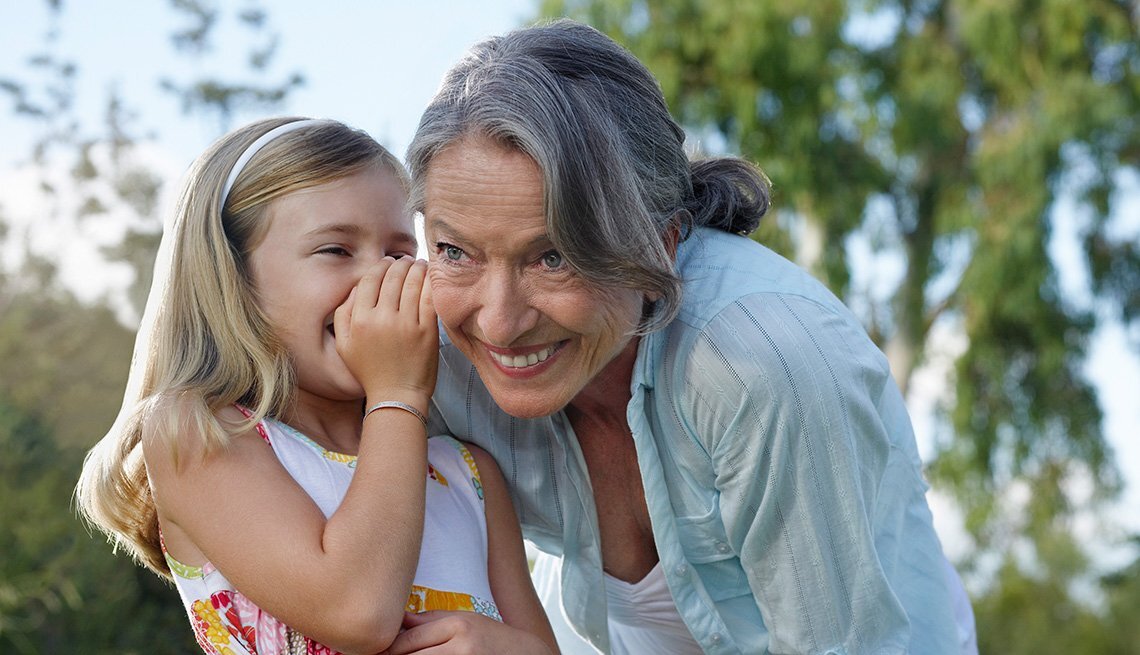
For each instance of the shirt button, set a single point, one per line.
(722, 547)
(714, 638)
(681, 570)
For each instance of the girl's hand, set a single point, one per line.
(386, 331)
(441, 633)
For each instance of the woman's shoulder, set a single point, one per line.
(775, 339)
(757, 326)
(720, 270)
(739, 295)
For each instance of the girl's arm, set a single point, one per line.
(525, 628)
(343, 581)
(507, 564)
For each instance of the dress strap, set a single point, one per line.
(260, 424)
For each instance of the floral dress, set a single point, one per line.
(451, 574)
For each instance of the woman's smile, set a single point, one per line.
(524, 360)
(505, 295)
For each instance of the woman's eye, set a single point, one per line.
(334, 250)
(552, 259)
(454, 253)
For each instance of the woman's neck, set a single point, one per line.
(608, 394)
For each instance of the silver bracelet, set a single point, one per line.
(395, 404)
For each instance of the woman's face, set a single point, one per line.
(537, 333)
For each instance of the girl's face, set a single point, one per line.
(537, 333)
(319, 243)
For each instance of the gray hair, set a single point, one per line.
(615, 174)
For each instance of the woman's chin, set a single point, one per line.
(526, 404)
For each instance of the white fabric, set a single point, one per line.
(452, 569)
(454, 506)
(642, 615)
(644, 618)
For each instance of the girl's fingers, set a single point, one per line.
(342, 317)
(413, 619)
(427, 306)
(393, 283)
(421, 632)
(369, 287)
(413, 288)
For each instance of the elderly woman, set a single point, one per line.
(702, 432)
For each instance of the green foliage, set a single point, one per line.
(1123, 591)
(1026, 615)
(62, 590)
(941, 133)
(63, 363)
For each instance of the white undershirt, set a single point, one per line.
(642, 615)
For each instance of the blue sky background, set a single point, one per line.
(374, 65)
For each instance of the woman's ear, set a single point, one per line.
(680, 225)
(672, 238)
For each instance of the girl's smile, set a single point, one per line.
(318, 243)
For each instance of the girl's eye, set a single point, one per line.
(552, 259)
(334, 250)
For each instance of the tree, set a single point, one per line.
(1025, 615)
(101, 173)
(1123, 593)
(60, 590)
(64, 361)
(934, 138)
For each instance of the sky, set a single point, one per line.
(374, 65)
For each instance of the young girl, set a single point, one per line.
(271, 455)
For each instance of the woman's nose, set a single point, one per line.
(506, 310)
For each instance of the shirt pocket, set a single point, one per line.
(706, 548)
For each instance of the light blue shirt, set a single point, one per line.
(778, 461)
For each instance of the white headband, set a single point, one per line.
(257, 145)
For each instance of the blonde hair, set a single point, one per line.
(210, 345)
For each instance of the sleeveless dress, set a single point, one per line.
(452, 569)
